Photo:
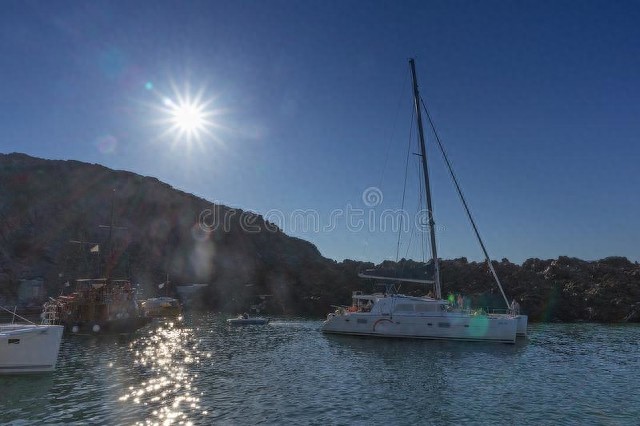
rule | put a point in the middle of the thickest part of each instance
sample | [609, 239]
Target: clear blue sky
[537, 102]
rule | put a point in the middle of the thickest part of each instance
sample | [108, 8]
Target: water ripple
[204, 372]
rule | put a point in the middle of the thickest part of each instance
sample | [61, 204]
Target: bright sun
[187, 118]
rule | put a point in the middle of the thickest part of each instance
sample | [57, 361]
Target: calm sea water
[201, 371]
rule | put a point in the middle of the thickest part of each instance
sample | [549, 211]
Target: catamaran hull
[29, 348]
[522, 322]
[466, 328]
[521, 329]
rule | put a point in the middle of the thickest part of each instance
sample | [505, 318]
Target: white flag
[95, 249]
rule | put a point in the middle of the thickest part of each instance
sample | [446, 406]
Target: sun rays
[187, 118]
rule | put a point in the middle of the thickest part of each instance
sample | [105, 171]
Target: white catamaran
[390, 314]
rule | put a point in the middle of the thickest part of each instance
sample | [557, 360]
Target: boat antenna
[423, 155]
[464, 202]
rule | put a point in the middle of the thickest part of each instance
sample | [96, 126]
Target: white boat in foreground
[390, 314]
[28, 347]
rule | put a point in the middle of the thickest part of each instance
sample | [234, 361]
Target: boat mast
[110, 263]
[423, 154]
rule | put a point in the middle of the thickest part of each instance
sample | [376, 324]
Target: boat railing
[469, 311]
[15, 315]
[505, 311]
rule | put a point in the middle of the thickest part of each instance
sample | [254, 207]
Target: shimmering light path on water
[201, 371]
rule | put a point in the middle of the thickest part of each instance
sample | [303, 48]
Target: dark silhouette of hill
[159, 230]
[47, 203]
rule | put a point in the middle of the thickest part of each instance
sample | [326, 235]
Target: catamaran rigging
[464, 201]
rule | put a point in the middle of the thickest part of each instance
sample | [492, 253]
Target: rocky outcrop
[53, 213]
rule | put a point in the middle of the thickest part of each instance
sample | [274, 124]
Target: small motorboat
[161, 307]
[247, 320]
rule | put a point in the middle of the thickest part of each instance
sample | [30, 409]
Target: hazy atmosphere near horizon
[301, 111]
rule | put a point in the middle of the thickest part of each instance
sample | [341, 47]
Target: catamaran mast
[423, 154]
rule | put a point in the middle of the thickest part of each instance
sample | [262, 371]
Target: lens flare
[107, 144]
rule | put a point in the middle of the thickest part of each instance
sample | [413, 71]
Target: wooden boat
[97, 306]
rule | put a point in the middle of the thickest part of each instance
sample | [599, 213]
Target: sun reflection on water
[168, 357]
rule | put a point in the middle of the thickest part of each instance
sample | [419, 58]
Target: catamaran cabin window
[432, 307]
[404, 307]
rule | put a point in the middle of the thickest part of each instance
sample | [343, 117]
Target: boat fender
[75, 329]
[96, 328]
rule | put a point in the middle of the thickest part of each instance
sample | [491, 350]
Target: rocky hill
[125, 224]
[47, 204]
